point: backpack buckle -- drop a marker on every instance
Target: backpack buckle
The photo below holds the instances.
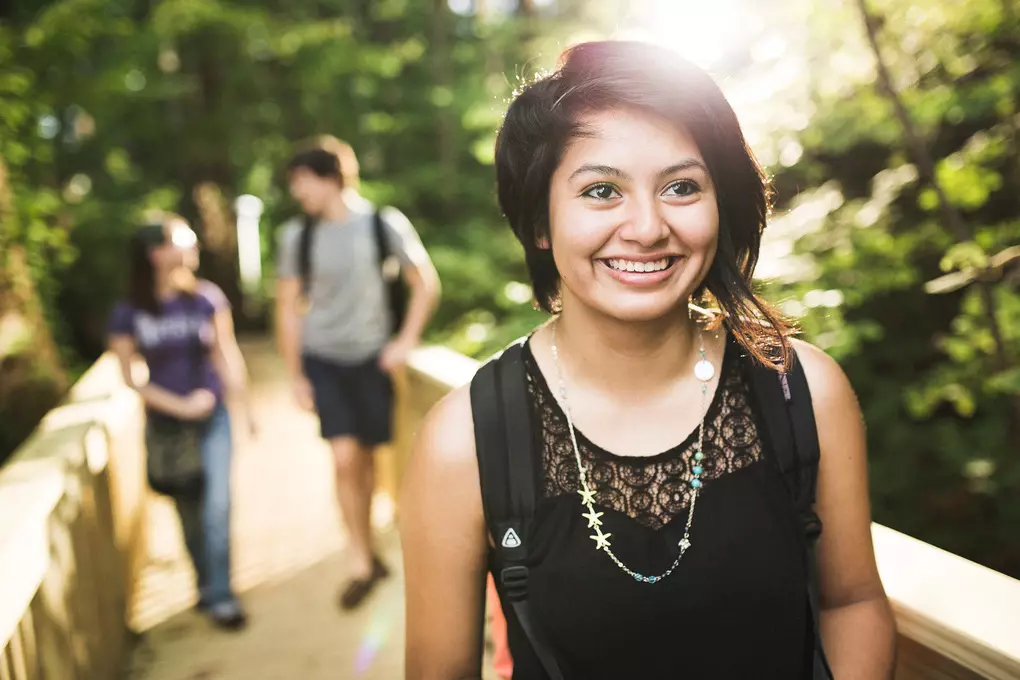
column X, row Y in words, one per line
column 812, row 525
column 515, row 582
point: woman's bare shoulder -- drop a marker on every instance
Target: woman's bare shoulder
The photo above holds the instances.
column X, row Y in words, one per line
column 443, row 455
column 447, row 431
column 830, row 388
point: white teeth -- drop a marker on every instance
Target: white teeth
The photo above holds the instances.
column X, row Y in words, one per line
column 632, row 266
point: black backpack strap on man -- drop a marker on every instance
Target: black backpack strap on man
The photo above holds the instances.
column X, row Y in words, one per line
column 308, row 226
column 784, row 400
column 507, row 465
column 397, row 294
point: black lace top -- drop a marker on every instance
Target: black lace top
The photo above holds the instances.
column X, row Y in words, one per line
column 654, row 489
column 736, row 605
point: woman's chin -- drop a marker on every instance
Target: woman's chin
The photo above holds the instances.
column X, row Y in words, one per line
column 650, row 309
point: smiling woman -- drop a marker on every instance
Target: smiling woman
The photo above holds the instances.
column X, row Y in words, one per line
column 647, row 487
column 612, row 128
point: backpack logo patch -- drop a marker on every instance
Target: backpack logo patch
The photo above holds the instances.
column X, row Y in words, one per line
column 511, row 539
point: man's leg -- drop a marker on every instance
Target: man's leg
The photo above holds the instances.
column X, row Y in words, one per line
column 336, row 393
column 354, row 468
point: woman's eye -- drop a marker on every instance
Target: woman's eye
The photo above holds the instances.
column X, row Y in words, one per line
column 684, row 188
column 602, row 192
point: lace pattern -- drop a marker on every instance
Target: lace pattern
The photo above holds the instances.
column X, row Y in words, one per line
column 652, row 490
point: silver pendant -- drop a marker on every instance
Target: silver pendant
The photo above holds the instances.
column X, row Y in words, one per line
column 704, row 370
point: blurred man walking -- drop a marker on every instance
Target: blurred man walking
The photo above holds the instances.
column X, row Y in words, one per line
column 355, row 289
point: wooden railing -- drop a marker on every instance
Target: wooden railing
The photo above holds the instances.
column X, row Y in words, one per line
column 72, row 518
column 956, row 619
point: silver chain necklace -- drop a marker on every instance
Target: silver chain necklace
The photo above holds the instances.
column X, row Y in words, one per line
column 704, row 371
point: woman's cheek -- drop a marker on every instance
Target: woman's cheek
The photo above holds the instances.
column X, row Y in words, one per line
column 697, row 227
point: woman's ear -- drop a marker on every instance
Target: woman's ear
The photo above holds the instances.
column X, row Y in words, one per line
column 542, row 242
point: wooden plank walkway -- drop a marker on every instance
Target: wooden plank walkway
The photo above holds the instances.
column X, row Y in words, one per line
column 288, row 564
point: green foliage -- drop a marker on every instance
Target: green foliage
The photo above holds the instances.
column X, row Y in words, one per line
column 107, row 107
column 941, row 408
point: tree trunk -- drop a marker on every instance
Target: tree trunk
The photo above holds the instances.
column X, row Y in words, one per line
column 32, row 376
column 206, row 168
column 447, row 138
column 1008, row 13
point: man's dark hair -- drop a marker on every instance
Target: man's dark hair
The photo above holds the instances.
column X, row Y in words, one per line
column 599, row 76
column 327, row 156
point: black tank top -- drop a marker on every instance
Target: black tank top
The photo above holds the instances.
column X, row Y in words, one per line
column 736, row 606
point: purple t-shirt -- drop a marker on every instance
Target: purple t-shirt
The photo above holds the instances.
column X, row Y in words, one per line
column 166, row 341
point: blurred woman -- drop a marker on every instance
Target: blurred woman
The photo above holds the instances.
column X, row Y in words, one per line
column 660, row 534
column 181, row 328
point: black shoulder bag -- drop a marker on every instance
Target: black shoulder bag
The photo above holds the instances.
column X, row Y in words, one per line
column 173, row 445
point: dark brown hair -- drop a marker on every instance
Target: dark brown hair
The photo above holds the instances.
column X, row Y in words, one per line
column 150, row 233
column 327, row 156
column 543, row 118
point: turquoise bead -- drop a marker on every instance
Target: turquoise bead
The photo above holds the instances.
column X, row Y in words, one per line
column 699, row 456
column 697, row 470
column 696, row 483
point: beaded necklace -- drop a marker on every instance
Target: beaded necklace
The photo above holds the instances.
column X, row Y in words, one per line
column 704, row 371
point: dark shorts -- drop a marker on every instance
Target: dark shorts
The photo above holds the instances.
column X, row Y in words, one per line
column 353, row 400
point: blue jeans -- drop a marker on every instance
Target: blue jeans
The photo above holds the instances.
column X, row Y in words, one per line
column 205, row 515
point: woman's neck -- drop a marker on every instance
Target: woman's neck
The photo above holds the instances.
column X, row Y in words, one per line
column 646, row 357
column 171, row 282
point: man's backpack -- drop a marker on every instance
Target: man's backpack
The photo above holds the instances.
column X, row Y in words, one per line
column 508, row 463
column 397, row 294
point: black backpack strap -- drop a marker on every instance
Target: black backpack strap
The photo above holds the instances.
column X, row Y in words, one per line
column 308, row 224
column 785, row 403
column 507, row 465
column 379, row 229
column 784, row 400
column 397, row 292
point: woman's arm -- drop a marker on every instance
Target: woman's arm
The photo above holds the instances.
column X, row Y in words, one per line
column 191, row 407
column 229, row 363
column 445, row 542
column 857, row 625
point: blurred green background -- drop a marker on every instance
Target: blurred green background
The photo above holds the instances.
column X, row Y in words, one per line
column 894, row 249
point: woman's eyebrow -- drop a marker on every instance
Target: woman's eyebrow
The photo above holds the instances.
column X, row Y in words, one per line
column 600, row 170
column 686, row 164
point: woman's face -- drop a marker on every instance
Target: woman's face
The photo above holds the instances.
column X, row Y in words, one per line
column 633, row 216
column 179, row 248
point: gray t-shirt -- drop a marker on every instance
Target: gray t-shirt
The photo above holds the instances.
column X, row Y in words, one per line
column 348, row 317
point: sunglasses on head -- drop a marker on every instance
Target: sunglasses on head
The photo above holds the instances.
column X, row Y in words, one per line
column 154, row 235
